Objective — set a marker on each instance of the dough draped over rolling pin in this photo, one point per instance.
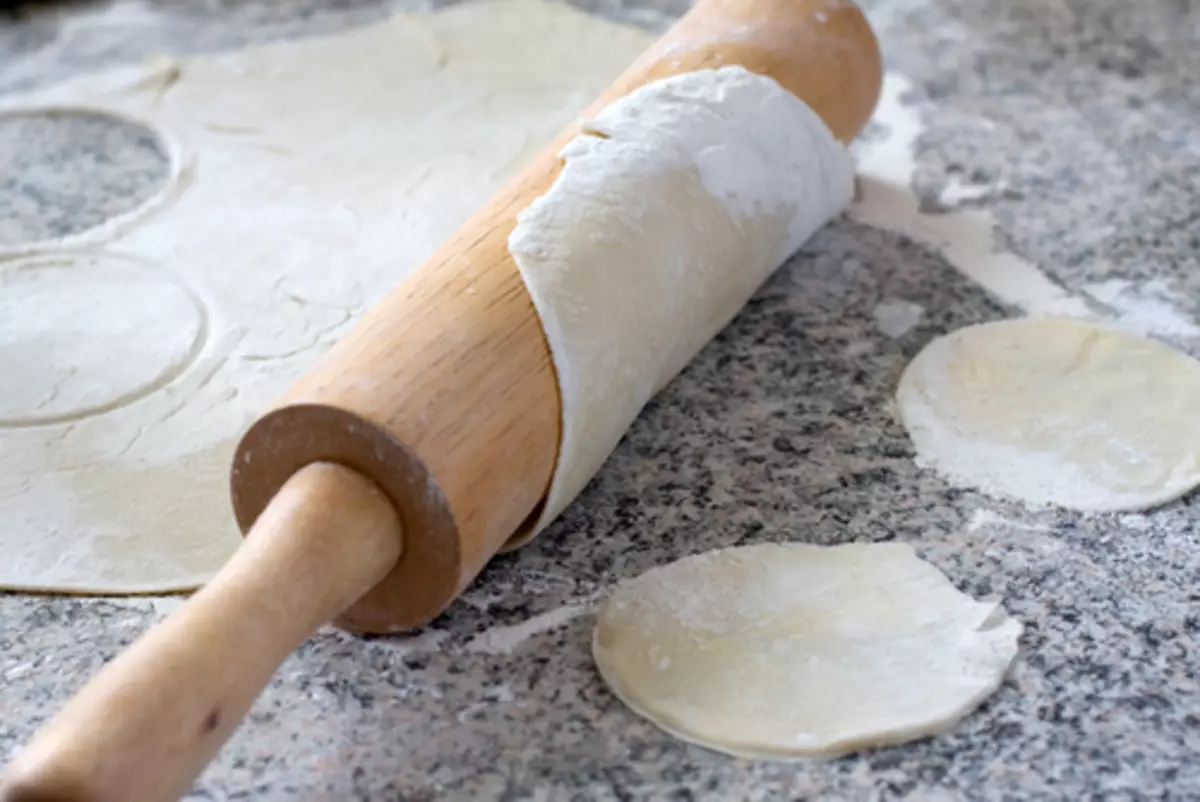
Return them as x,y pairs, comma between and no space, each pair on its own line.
674,205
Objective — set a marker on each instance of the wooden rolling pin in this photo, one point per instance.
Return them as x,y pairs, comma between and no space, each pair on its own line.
378,488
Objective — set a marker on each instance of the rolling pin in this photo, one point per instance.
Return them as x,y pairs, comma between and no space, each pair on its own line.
417,448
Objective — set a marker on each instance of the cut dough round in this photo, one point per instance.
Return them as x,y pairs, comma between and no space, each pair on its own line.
73,333
788,651
1056,410
126,381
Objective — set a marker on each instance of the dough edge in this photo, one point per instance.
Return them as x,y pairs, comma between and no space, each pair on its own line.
935,441
606,667
584,447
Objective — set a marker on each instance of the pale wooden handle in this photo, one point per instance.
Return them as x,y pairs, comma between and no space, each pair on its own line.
150,721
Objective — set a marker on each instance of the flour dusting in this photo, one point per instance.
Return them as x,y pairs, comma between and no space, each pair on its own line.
896,317
506,639
429,640
957,191
1148,307
1055,411
784,650
159,606
1084,420
499,694
657,232
966,238
987,519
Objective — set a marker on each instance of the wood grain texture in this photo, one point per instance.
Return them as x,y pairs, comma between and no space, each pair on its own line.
446,393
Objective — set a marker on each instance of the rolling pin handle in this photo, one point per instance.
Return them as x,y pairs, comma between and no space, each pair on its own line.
151,720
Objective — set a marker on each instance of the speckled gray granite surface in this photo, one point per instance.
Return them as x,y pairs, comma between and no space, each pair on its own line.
1085,111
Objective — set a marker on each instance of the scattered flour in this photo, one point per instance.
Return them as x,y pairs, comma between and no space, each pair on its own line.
793,650
1141,523
986,519
965,238
1055,410
501,694
1148,307
956,191
505,639
1097,457
160,606
896,317
479,600
429,640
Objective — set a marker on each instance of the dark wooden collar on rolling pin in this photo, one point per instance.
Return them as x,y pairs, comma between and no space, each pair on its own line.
384,481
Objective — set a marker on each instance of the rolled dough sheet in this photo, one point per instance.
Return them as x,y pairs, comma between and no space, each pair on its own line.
1056,410
309,178
790,651
674,205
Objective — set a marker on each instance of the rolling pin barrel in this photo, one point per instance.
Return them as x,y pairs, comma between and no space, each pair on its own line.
421,444
445,393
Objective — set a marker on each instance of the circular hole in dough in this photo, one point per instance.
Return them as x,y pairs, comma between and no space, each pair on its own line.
790,651
1056,410
73,170
82,335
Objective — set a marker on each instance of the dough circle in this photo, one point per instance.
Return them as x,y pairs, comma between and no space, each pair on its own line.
789,651
1056,410
82,334
309,177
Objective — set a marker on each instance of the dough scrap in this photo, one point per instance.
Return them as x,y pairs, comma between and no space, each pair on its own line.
674,205
1056,410
794,650
313,175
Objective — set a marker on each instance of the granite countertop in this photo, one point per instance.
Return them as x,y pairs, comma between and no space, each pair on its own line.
1083,112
